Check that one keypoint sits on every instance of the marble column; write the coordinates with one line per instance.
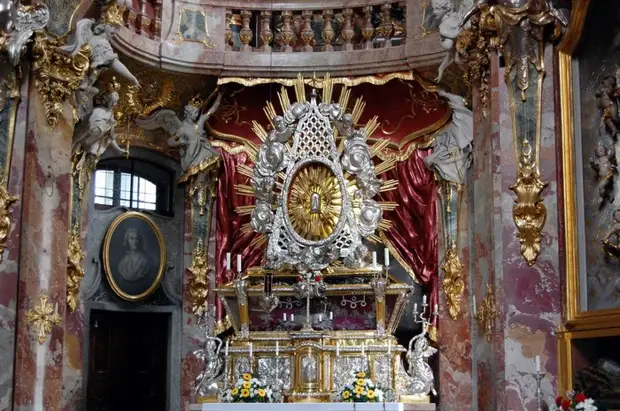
(43, 259)
(527, 297)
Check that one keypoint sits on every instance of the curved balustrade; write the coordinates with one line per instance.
(264, 38)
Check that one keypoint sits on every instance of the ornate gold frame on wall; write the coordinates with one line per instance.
(106, 251)
(578, 324)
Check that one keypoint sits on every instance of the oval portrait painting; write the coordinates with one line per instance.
(134, 256)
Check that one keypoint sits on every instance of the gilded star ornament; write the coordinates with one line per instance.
(42, 317)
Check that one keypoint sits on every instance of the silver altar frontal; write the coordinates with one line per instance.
(333, 406)
(320, 308)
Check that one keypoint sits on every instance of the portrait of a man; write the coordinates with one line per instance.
(193, 25)
(134, 256)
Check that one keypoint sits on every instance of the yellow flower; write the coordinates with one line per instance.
(346, 394)
(235, 391)
(245, 393)
(360, 374)
(360, 381)
(246, 376)
(359, 390)
(261, 392)
(370, 394)
(247, 385)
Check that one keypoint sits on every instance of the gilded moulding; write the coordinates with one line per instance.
(6, 200)
(57, 74)
(43, 317)
(198, 283)
(319, 82)
(453, 284)
(486, 313)
(75, 272)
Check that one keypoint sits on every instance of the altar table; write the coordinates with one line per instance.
(317, 406)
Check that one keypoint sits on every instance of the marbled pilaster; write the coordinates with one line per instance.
(43, 255)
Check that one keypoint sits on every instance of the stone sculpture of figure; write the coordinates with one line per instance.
(213, 371)
(603, 163)
(607, 103)
(451, 155)
(95, 133)
(419, 370)
(614, 231)
(97, 35)
(198, 157)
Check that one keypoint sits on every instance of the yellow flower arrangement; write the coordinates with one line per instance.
(234, 391)
(249, 389)
(261, 392)
(245, 393)
(246, 376)
(370, 394)
(360, 374)
(346, 394)
(361, 389)
(247, 385)
(360, 381)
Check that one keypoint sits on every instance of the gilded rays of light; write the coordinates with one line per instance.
(314, 180)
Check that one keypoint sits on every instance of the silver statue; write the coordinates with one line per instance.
(451, 155)
(262, 217)
(213, 371)
(21, 23)
(8, 15)
(97, 36)
(95, 134)
(421, 373)
(370, 217)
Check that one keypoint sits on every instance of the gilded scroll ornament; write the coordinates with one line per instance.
(43, 317)
(75, 272)
(453, 284)
(6, 200)
(486, 313)
(198, 283)
(57, 75)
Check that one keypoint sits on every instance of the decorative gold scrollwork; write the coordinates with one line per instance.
(42, 317)
(75, 272)
(57, 74)
(453, 284)
(198, 284)
(529, 213)
(6, 200)
(486, 313)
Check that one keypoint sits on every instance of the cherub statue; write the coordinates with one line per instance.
(419, 370)
(451, 155)
(97, 35)
(603, 163)
(614, 232)
(607, 103)
(198, 158)
(213, 371)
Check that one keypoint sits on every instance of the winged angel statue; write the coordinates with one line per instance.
(198, 157)
(97, 35)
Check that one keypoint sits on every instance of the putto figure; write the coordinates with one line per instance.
(604, 163)
(198, 158)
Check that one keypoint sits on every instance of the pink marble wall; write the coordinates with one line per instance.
(10, 263)
(528, 299)
(43, 255)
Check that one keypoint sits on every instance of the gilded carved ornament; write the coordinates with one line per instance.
(453, 284)
(486, 313)
(198, 283)
(43, 317)
(6, 200)
(75, 272)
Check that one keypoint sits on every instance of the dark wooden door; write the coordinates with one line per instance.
(128, 361)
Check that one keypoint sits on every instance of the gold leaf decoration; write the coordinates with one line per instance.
(453, 284)
(75, 272)
(42, 317)
(6, 200)
(486, 313)
(198, 284)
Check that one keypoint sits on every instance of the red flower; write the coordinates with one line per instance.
(580, 397)
(318, 278)
(558, 401)
(299, 278)
(566, 404)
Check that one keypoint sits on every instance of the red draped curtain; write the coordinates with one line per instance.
(413, 237)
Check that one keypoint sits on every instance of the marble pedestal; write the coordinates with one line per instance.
(320, 406)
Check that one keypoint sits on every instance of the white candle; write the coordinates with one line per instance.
(284, 317)
(363, 349)
(415, 307)
(331, 315)
(538, 363)
(226, 349)
(238, 263)
(214, 311)
(436, 309)
(389, 347)
(228, 256)
(386, 256)
(473, 303)
(277, 348)
(251, 351)
(293, 317)
(424, 299)
(320, 318)
(338, 349)
(374, 259)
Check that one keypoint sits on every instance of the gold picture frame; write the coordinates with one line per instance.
(578, 323)
(136, 274)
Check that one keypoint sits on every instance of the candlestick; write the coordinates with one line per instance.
(277, 348)
(386, 256)
(539, 376)
(374, 259)
(228, 265)
(538, 363)
(239, 263)
(473, 303)
(226, 349)
(338, 349)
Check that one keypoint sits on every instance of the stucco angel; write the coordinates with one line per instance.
(97, 35)
(198, 157)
